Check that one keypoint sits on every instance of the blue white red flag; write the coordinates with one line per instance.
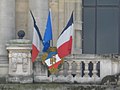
(36, 40)
(64, 42)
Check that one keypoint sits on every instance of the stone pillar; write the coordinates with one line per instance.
(39, 9)
(40, 72)
(78, 14)
(21, 19)
(61, 19)
(53, 4)
(78, 27)
(20, 64)
(7, 31)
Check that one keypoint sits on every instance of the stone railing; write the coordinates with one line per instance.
(79, 69)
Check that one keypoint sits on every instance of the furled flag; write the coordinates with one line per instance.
(64, 42)
(48, 33)
(36, 40)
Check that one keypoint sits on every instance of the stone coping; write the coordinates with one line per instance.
(54, 86)
(19, 41)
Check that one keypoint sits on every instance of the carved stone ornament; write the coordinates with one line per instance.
(13, 64)
(19, 58)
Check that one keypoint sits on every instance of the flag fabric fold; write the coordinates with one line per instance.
(36, 40)
(55, 61)
(48, 33)
(64, 42)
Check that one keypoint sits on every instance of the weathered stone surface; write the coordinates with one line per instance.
(20, 64)
(42, 79)
(60, 79)
(3, 80)
(19, 79)
(39, 9)
(70, 78)
(21, 16)
(7, 31)
(42, 86)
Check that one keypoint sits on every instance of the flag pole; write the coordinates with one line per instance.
(37, 38)
(51, 22)
(72, 51)
(52, 43)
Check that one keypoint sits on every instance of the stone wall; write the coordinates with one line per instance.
(7, 31)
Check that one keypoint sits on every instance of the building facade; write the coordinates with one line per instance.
(78, 67)
(15, 16)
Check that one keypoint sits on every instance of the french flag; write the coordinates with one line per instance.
(64, 42)
(36, 40)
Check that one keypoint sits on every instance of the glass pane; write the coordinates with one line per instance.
(107, 2)
(89, 30)
(107, 30)
(89, 2)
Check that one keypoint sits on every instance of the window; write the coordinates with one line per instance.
(101, 26)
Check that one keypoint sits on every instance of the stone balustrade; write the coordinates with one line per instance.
(81, 69)
(77, 68)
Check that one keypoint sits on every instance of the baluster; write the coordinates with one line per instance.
(65, 68)
(70, 67)
(86, 71)
(78, 71)
(94, 69)
(61, 70)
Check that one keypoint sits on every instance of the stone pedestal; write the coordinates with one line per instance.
(40, 72)
(20, 65)
(39, 9)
